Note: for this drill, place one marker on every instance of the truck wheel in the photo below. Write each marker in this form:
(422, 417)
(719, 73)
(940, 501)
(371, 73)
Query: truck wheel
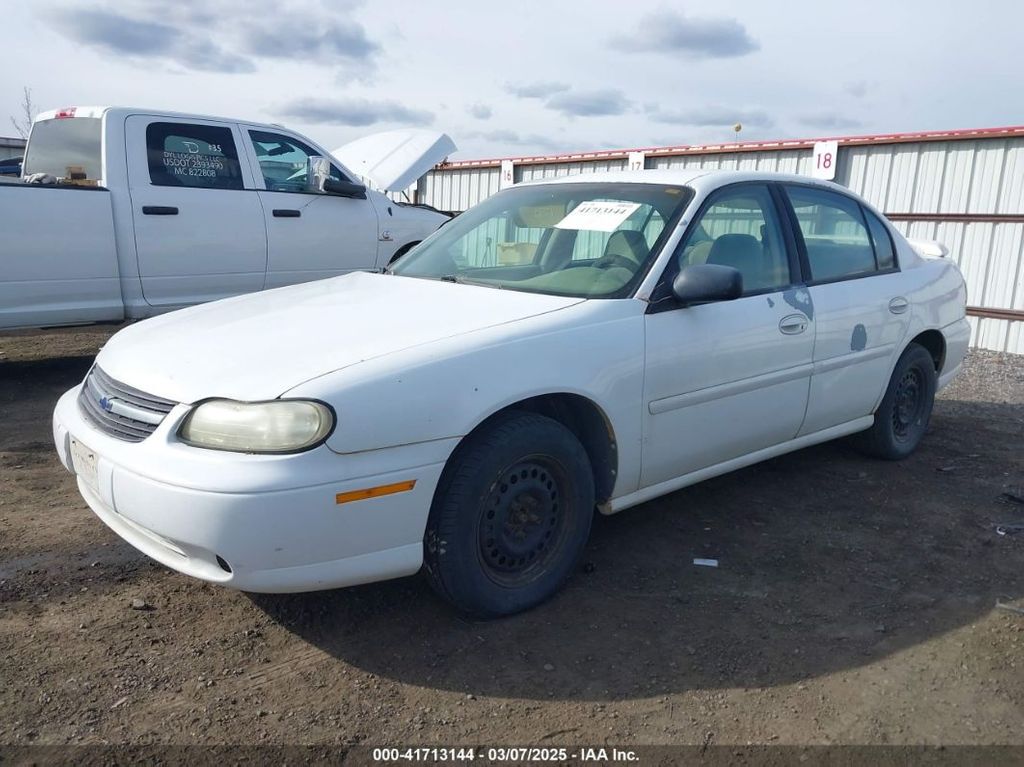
(902, 418)
(510, 517)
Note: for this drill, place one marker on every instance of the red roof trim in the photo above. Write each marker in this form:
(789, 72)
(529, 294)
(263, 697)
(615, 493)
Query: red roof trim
(745, 146)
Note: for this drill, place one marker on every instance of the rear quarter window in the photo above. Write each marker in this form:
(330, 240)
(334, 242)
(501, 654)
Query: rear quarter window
(885, 251)
(203, 156)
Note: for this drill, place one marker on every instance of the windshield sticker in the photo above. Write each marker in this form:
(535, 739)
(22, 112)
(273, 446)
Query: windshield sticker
(598, 216)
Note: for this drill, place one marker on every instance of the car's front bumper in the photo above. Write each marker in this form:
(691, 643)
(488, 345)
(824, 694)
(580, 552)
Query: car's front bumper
(258, 523)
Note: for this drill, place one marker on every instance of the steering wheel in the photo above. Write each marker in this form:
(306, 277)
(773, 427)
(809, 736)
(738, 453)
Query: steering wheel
(614, 259)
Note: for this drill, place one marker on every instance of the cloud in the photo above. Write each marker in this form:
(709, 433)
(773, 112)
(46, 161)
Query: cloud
(480, 111)
(672, 32)
(598, 103)
(196, 37)
(354, 112)
(511, 138)
(327, 41)
(205, 56)
(830, 121)
(126, 36)
(536, 90)
(857, 89)
(713, 116)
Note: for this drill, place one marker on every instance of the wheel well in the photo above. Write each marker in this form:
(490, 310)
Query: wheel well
(403, 250)
(588, 422)
(933, 341)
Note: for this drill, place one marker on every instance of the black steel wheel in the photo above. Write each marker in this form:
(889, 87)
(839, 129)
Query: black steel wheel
(510, 517)
(522, 529)
(902, 417)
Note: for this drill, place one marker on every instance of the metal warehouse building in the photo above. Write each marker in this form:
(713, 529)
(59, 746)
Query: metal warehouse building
(964, 188)
(11, 147)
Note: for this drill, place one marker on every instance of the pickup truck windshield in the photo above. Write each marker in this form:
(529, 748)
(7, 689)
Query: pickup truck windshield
(62, 143)
(588, 240)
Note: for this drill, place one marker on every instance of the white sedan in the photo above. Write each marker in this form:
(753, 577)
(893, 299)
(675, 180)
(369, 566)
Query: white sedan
(577, 344)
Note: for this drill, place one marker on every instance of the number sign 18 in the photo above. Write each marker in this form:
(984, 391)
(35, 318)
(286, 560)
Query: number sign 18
(825, 154)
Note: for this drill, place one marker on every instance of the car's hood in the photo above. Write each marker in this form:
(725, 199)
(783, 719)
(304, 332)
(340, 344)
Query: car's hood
(260, 345)
(392, 160)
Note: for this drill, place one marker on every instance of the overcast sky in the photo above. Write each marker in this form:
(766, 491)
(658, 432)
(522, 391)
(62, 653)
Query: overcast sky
(527, 77)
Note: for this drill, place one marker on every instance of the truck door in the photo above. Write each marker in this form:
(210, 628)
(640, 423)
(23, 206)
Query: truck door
(199, 231)
(310, 235)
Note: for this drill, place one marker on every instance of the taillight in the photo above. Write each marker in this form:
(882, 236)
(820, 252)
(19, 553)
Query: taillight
(65, 113)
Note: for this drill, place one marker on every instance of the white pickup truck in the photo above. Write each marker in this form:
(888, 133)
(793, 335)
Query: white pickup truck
(152, 211)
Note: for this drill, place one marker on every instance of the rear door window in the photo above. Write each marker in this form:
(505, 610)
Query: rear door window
(835, 234)
(184, 154)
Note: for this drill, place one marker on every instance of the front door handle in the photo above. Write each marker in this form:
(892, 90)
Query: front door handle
(159, 210)
(286, 213)
(899, 305)
(793, 324)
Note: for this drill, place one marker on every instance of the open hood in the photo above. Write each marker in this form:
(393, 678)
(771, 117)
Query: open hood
(393, 160)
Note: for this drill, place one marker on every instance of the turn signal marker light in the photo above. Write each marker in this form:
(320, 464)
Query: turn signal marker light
(375, 492)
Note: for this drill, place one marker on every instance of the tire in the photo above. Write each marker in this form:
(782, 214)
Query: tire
(902, 418)
(510, 516)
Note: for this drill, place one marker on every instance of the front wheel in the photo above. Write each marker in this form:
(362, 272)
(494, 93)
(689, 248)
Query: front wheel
(902, 418)
(510, 517)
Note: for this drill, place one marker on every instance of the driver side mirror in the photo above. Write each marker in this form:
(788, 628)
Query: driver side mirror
(318, 179)
(318, 170)
(702, 283)
(344, 188)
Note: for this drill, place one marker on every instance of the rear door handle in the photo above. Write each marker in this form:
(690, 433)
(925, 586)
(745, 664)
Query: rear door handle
(159, 210)
(899, 305)
(793, 324)
(286, 213)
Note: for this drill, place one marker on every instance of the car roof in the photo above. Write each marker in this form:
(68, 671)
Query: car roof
(699, 179)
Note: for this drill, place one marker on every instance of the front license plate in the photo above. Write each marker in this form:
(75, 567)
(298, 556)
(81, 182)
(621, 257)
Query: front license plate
(84, 460)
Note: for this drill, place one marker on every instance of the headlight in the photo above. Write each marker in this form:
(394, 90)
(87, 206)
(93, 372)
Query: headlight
(278, 426)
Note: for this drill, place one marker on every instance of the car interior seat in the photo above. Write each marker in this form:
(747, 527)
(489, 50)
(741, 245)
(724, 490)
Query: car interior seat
(744, 253)
(628, 243)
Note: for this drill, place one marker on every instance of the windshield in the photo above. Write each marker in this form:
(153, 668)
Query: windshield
(63, 146)
(587, 240)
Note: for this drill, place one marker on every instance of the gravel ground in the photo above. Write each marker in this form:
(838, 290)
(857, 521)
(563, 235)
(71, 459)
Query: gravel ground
(855, 602)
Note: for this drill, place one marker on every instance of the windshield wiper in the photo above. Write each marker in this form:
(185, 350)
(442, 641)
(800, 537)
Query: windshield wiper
(463, 280)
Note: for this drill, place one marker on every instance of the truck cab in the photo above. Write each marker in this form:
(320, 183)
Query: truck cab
(182, 209)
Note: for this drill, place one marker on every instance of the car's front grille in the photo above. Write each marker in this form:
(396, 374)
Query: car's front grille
(119, 410)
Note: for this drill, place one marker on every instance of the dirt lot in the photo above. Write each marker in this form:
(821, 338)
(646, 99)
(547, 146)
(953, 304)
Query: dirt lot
(854, 603)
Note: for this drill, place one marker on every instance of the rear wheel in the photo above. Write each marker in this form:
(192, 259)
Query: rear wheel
(902, 418)
(511, 516)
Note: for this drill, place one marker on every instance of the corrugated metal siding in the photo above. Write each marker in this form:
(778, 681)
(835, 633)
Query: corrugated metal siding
(459, 189)
(11, 147)
(557, 170)
(981, 176)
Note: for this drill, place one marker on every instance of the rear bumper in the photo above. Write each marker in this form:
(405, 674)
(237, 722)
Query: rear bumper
(958, 339)
(286, 533)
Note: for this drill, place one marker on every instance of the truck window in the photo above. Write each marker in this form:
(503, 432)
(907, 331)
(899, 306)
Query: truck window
(66, 142)
(283, 161)
(181, 154)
